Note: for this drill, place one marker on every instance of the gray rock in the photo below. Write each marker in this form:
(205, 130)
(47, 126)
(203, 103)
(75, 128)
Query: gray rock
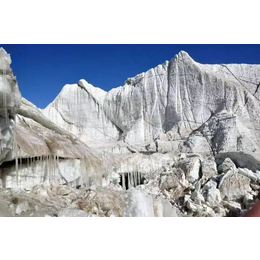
(248, 200)
(209, 169)
(174, 182)
(212, 194)
(191, 167)
(226, 166)
(234, 186)
(197, 197)
(251, 175)
(233, 207)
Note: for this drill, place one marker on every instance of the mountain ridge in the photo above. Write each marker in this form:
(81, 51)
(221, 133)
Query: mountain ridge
(167, 103)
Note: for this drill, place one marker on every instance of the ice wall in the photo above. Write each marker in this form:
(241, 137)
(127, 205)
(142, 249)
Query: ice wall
(10, 100)
(179, 105)
(34, 150)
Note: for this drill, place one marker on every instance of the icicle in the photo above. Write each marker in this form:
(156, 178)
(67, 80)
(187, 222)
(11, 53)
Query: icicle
(82, 175)
(123, 180)
(21, 170)
(133, 174)
(28, 169)
(54, 167)
(16, 169)
(4, 95)
(57, 164)
(3, 100)
(89, 170)
(77, 182)
(16, 154)
(21, 162)
(31, 162)
(48, 168)
(51, 168)
(129, 183)
(42, 167)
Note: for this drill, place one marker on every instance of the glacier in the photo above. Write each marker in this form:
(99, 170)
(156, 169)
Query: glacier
(180, 105)
(181, 139)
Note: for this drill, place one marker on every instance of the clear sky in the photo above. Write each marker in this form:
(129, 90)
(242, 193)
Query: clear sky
(42, 70)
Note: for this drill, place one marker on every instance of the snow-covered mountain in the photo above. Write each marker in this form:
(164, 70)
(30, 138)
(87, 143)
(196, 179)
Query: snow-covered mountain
(180, 105)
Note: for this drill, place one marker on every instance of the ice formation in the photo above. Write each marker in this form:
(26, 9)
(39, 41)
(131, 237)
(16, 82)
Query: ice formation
(180, 105)
(10, 99)
(34, 150)
(181, 139)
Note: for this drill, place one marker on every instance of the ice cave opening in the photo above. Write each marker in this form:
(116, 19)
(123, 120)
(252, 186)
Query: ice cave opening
(131, 179)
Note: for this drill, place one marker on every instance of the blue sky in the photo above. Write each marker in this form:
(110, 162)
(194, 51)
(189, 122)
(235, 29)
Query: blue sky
(42, 70)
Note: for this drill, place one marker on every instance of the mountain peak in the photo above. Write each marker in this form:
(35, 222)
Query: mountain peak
(96, 92)
(182, 55)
